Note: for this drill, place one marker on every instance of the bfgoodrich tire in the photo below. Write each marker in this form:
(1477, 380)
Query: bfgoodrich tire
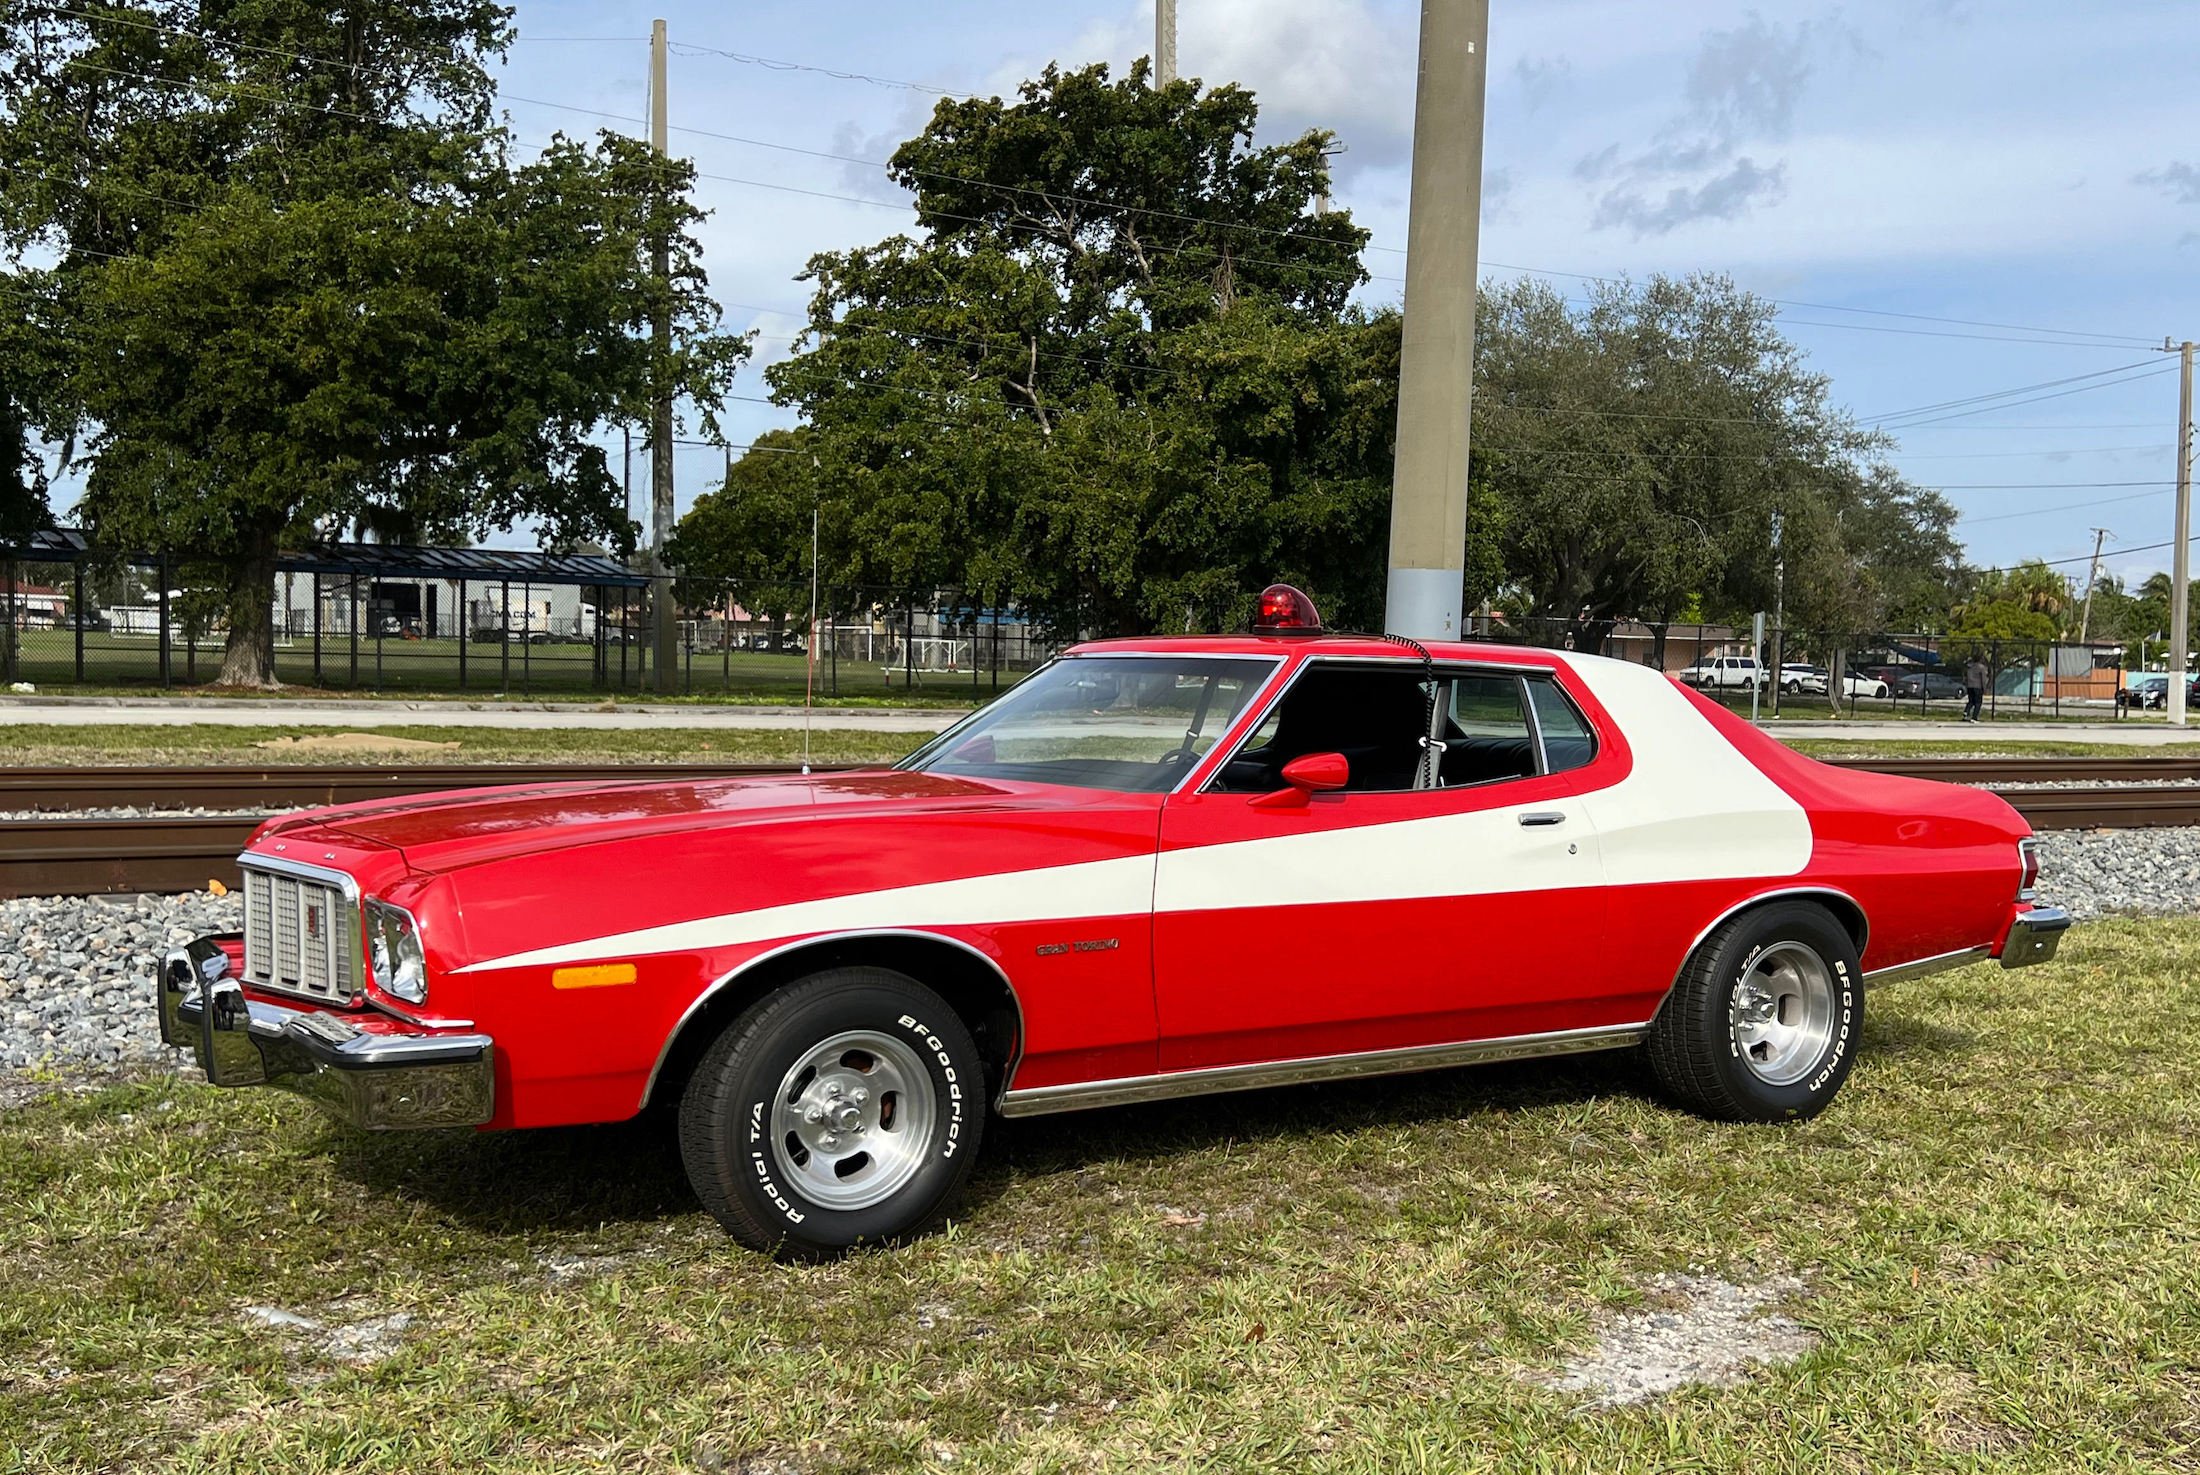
(844, 1110)
(1764, 1022)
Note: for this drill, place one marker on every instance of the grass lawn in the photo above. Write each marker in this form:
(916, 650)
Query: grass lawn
(121, 665)
(33, 745)
(1996, 1233)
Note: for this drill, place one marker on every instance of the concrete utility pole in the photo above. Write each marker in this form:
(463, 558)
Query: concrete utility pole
(664, 619)
(2180, 556)
(2092, 572)
(1164, 43)
(1428, 493)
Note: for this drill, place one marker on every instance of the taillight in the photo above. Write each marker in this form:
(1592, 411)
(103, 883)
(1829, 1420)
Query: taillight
(2028, 879)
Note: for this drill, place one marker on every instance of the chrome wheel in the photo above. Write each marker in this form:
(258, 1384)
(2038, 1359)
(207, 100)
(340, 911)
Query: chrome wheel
(1782, 1013)
(853, 1119)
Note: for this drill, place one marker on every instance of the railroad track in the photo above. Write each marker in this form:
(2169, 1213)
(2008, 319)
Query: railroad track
(65, 856)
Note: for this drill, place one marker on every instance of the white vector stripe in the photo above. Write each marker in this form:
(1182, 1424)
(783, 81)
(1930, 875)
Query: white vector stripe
(1692, 808)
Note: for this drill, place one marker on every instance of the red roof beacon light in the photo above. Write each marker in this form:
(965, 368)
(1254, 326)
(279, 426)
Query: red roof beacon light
(1286, 611)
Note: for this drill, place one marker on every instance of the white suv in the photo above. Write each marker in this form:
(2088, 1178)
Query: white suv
(1726, 671)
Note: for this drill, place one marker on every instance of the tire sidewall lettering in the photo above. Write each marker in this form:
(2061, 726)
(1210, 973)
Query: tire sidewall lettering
(950, 1078)
(760, 1160)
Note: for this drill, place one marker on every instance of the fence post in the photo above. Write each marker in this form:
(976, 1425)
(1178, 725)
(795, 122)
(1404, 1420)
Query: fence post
(8, 669)
(167, 648)
(909, 649)
(830, 624)
(458, 628)
(1993, 677)
(626, 630)
(317, 627)
(996, 653)
(77, 602)
(190, 654)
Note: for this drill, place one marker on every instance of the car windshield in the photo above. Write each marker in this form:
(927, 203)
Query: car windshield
(1135, 724)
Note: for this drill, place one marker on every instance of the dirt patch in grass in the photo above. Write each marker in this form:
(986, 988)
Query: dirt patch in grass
(338, 744)
(1695, 1330)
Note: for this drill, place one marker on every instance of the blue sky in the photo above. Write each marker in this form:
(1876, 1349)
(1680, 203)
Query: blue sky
(2016, 163)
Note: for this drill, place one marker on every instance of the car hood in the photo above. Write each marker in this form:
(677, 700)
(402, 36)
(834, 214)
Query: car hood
(440, 832)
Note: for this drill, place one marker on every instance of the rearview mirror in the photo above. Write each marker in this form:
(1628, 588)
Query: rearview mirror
(1307, 776)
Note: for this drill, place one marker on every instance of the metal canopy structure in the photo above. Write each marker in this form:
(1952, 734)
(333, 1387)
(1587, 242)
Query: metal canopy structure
(383, 560)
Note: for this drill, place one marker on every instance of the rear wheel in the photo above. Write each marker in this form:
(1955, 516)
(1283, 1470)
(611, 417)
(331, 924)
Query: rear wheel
(1763, 1023)
(843, 1110)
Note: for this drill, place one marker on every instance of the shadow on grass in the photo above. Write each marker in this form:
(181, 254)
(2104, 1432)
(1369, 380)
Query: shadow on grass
(547, 1178)
(1164, 1129)
(580, 1178)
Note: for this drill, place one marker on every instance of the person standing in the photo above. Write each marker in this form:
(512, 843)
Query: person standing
(1974, 688)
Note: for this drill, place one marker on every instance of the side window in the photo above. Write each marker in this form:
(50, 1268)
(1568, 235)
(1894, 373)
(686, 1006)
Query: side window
(1567, 740)
(1375, 716)
(1488, 737)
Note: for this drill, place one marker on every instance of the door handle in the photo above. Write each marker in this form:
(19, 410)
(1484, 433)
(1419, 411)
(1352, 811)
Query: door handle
(1536, 817)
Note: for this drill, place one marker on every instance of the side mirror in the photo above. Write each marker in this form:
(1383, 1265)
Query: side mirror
(1306, 776)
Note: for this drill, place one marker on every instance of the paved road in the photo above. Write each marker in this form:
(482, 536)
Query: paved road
(243, 712)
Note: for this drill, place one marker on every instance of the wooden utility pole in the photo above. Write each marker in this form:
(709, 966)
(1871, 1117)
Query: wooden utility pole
(664, 617)
(1164, 43)
(1428, 495)
(2180, 556)
(2092, 572)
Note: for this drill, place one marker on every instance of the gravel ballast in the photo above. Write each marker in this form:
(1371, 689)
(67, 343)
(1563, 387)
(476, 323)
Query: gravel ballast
(76, 973)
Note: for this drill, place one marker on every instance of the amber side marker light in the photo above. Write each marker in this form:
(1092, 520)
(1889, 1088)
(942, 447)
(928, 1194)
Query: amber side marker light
(597, 975)
(1286, 611)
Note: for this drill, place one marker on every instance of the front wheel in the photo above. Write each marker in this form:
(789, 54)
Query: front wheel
(841, 1111)
(1763, 1024)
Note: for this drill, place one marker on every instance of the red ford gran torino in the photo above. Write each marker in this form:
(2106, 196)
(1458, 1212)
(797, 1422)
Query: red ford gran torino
(1156, 868)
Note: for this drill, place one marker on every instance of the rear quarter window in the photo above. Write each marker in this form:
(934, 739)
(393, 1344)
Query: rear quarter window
(1568, 740)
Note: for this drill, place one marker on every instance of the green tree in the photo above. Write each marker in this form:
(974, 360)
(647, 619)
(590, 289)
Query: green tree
(2030, 602)
(24, 378)
(300, 283)
(1664, 449)
(1113, 378)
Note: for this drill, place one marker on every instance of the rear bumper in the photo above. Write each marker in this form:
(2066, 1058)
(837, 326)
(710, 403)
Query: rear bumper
(2034, 936)
(384, 1078)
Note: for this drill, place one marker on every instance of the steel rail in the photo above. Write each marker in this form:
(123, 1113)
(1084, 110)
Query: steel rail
(62, 855)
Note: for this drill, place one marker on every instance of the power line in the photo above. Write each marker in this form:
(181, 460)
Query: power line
(2005, 393)
(774, 64)
(1970, 521)
(2036, 399)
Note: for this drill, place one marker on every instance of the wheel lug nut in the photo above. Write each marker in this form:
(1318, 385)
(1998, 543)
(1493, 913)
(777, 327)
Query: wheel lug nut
(859, 1096)
(831, 1139)
(814, 1115)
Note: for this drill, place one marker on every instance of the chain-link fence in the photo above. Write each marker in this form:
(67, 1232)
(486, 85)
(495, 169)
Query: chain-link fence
(363, 617)
(1801, 672)
(447, 621)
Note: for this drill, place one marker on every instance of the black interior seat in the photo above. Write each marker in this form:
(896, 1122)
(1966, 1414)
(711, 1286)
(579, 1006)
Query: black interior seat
(1374, 717)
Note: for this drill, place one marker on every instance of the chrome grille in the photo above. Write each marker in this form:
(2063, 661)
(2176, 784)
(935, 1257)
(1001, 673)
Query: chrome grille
(301, 936)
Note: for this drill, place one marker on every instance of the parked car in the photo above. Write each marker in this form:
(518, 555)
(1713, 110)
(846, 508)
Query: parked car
(1796, 677)
(1725, 672)
(2144, 693)
(1157, 868)
(1929, 685)
(1858, 684)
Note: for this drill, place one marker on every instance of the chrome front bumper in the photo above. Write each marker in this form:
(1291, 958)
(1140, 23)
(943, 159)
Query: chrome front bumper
(2034, 936)
(378, 1080)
